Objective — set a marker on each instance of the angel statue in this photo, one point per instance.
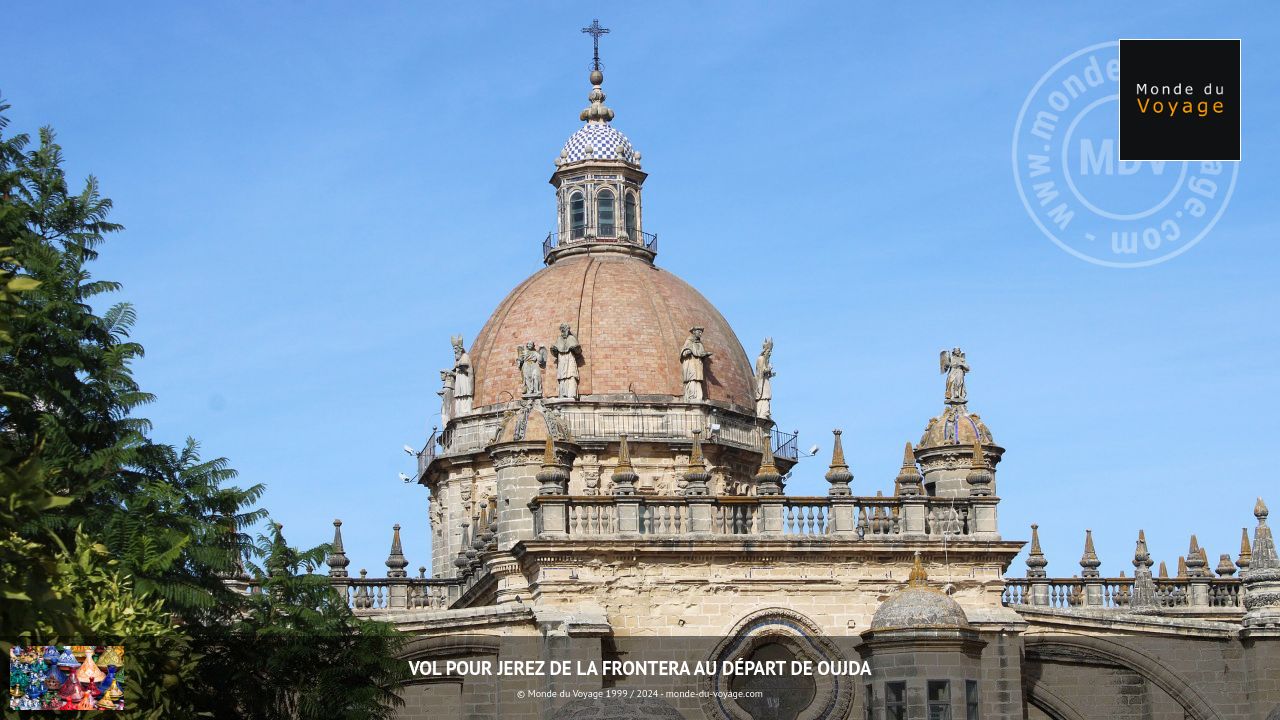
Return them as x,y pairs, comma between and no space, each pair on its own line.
764,380
952,363
463,383
531,360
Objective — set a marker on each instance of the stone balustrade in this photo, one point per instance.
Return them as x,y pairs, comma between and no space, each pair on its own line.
1117,593
862,518
372,595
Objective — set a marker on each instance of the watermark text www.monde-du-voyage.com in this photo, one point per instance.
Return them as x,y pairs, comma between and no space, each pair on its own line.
1125,153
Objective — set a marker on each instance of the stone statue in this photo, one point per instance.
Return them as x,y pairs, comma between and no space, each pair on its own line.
693,359
764,380
566,350
446,397
952,363
531,360
463,383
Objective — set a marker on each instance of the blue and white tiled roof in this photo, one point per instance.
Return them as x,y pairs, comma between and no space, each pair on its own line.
598,141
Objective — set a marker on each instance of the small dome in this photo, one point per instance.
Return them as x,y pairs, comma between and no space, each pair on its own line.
527,423
955,426
598,141
919,607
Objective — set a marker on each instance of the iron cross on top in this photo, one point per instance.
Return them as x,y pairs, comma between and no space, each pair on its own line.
595,31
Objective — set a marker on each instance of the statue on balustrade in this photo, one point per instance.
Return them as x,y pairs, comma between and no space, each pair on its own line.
463,383
953,364
764,380
693,360
531,360
447,379
565,351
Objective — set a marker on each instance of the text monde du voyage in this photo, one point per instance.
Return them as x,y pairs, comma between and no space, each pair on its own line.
1180,99
632,668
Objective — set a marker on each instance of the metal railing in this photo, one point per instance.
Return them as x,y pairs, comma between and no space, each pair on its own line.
429,451
616,234
786,445
666,424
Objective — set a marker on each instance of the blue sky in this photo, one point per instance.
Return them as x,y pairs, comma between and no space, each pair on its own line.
317,195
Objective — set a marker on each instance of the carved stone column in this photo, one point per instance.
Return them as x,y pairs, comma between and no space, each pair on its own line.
624,489
914,510
697,490
518,465
769,487
1262,580
1198,576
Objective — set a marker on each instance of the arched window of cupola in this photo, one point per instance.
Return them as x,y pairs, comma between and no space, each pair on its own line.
632,216
605,214
577,215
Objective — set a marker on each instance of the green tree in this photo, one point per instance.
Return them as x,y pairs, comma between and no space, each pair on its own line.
108,535
319,661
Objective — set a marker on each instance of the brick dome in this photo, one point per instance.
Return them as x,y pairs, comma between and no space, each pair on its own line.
631,319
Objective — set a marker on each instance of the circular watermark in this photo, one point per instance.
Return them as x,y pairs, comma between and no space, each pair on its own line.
1099,208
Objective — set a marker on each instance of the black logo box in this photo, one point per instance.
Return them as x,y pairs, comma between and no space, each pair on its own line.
1186,69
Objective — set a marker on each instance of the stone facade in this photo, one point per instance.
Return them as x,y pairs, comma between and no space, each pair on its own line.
632,522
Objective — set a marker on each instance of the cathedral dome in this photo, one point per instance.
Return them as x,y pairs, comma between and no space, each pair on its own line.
631,318
598,141
955,426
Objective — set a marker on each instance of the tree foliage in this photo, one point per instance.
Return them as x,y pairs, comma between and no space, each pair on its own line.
107,535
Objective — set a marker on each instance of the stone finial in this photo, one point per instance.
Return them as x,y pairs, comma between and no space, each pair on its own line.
909,481
552,479
1182,567
487,531
1196,564
1246,553
979,477
395,561
1089,561
1141,557
918,577
1264,546
1164,571
1262,581
838,473
1143,596
768,479
1225,568
624,476
597,111
695,471
1036,561
337,560
461,561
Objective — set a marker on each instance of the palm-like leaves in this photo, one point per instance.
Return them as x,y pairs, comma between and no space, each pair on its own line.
92,499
